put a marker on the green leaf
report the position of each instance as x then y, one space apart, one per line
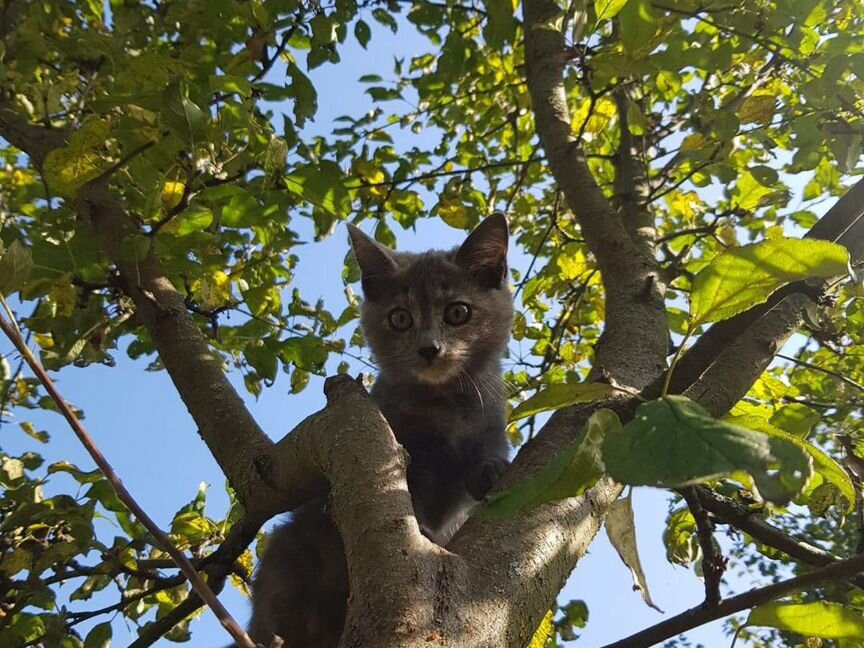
15 266
229 83
570 474
192 526
194 219
135 248
299 380
362 33
607 9
67 169
182 115
79 475
680 538
824 465
500 27
674 442
322 186
555 397
305 95
638 25
743 277
99 636
819 619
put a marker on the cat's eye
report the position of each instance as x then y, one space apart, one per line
457 313
400 319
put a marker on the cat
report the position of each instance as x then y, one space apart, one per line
437 324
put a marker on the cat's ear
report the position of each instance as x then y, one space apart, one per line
484 252
375 261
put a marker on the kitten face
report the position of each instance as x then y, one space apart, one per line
433 317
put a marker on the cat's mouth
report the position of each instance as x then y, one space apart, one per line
437 373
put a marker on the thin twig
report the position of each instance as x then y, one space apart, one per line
827 372
713 562
198 584
440 174
153 632
700 615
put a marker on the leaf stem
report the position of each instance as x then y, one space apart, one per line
675 360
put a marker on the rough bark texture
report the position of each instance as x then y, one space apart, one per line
635 308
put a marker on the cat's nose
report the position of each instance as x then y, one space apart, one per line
429 352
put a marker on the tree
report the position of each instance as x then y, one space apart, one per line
650 157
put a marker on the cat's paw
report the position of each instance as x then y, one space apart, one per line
483 476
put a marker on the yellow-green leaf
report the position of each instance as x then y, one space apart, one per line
544 632
743 277
606 9
757 109
172 194
555 397
818 619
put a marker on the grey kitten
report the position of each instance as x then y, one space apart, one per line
437 324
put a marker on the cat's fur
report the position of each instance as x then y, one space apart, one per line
441 390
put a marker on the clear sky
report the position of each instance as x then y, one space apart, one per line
143 428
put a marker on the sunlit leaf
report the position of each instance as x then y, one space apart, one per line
817 619
746 276
544 632
606 9
824 465
554 397
571 473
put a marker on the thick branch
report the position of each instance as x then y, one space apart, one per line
531 555
634 291
231 434
632 189
35 141
738 365
391 565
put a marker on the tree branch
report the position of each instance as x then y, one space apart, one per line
697 616
740 517
713 563
198 584
35 141
634 290
391 565
632 189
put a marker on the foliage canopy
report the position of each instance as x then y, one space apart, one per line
717 131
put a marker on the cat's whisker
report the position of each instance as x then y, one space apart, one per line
476 388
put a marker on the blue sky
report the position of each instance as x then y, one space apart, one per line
141 425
